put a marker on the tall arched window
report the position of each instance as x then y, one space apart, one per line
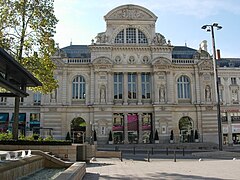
183 84
131 36
78 88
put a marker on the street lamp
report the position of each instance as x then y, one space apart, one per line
210 28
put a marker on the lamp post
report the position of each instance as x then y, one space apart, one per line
210 28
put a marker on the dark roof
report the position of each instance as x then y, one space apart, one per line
183 52
229 62
77 51
17 76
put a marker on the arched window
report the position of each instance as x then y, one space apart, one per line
183 84
131 36
78 88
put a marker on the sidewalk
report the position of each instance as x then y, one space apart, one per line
160 169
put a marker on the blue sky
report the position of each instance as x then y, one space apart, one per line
178 20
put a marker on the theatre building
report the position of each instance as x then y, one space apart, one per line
131 81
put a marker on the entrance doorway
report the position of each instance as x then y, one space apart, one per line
78 130
186 129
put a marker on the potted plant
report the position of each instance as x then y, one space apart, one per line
110 139
156 138
196 136
95 137
171 136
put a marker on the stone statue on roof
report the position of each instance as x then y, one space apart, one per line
159 39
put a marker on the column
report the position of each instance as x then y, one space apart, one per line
139 88
197 86
230 140
64 87
125 88
155 89
170 88
96 89
109 88
140 133
125 129
92 86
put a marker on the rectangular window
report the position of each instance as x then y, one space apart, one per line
146 85
103 130
233 81
118 85
37 98
132 90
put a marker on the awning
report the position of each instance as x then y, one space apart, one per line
21 117
35 122
4 117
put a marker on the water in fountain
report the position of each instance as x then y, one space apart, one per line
15 155
23 154
8 157
29 153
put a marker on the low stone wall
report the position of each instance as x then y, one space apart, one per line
108 154
66 152
74 172
12 170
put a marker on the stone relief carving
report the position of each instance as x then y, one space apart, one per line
207 93
159 39
145 59
129 14
102 94
162 93
131 60
118 60
101 37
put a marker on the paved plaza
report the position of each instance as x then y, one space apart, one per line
209 169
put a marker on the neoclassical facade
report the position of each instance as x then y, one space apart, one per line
133 83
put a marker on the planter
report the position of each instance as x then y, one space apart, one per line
156 141
110 142
171 141
196 140
95 142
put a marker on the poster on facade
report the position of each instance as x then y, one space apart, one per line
117 124
132 122
146 122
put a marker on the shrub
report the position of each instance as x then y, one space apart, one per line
110 136
49 138
156 135
68 138
171 136
6 136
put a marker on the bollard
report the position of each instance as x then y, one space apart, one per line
152 150
134 150
174 156
148 156
167 151
121 155
183 152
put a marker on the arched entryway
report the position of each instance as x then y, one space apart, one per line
186 129
78 130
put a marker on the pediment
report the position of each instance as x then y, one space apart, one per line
206 65
102 61
161 61
130 12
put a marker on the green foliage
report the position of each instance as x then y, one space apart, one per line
26 29
156 135
49 138
5 136
171 136
94 136
110 136
68 136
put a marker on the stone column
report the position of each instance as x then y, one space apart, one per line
109 89
230 140
155 89
125 88
140 132
139 88
125 129
96 89
64 87
197 86
227 92
170 87
92 85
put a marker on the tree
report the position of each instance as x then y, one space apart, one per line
156 136
171 136
110 136
26 29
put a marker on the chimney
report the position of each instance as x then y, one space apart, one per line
218 54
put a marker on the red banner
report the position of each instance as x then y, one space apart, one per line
132 122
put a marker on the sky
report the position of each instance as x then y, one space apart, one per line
180 21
